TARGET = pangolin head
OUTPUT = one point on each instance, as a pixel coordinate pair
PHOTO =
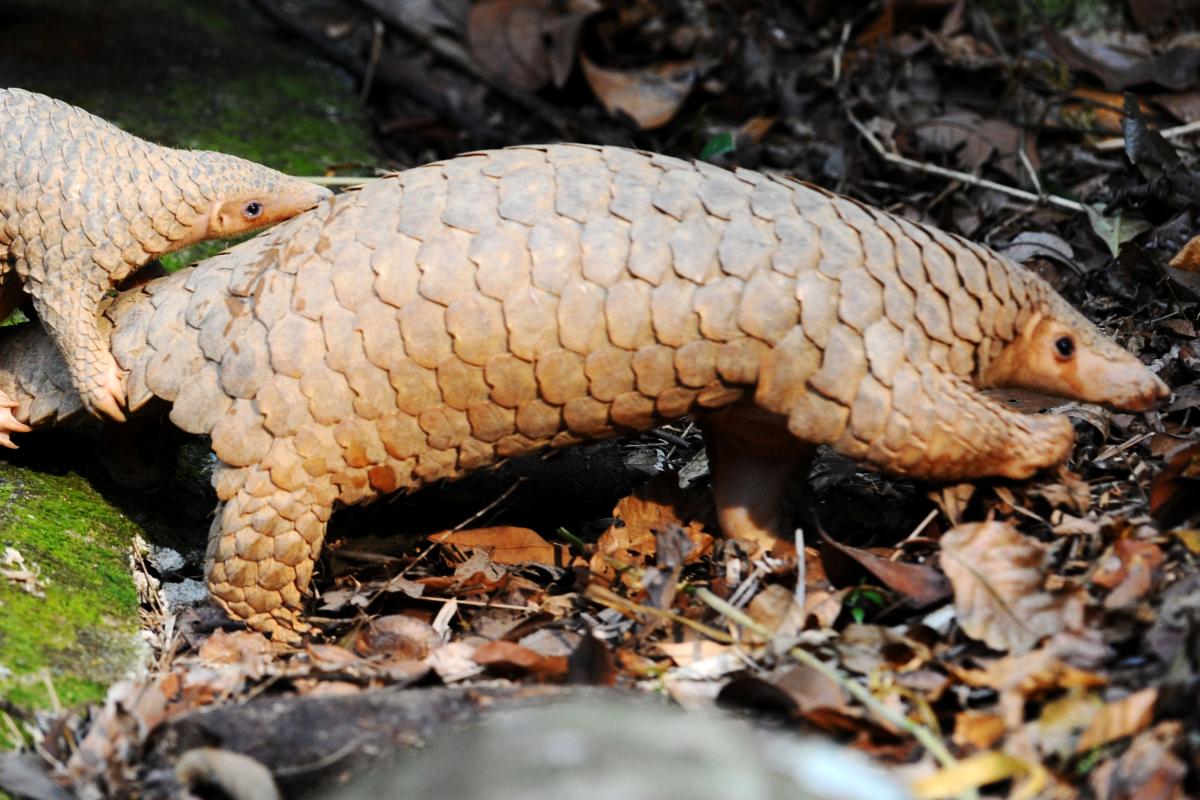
(1059, 351)
(245, 196)
(221, 196)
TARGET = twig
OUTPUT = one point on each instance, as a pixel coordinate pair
(1118, 142)
(922, 734)
(368, 80)
(607, 597)
(965, 177)
(452, 52)
(442, 536)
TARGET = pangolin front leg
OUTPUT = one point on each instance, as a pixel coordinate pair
(937, 426)
(10, 298)
(262, 547)
(67, 308)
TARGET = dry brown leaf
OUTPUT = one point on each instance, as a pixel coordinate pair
(921, 584)
(244, 648)
(507, 545)
(511, 659)
(1188, 258)
(998, 575)
(397, 637)
(1125, 717)
(978, 730)
(653, 507)
(650, 97)
(527, 43)
(775, 609)
(1148, 770)
(865, 649)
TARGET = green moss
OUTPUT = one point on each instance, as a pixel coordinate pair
(83, 633)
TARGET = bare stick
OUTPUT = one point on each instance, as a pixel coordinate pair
(1118, 142)
(953, 174)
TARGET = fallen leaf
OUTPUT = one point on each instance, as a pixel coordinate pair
(507, 545)
(244, 648)
(1189, 257)
(527, 43)
(978, 730)
(922, 585)
(775, 609)
(1118, 720)
(1128, 61)
(1173, 493)
(1116, 229)
(397, 637)
(651, 97)
(792, 692)
(512, 660)
(656, 506)
(1148, 770)
(973, 140)
(998, 576)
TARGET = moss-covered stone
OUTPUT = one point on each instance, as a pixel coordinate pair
(83, 632)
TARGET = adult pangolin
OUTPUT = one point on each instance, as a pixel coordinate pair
(84, 204)
(459, 313)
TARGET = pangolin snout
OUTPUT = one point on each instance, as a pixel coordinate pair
(1145, 394)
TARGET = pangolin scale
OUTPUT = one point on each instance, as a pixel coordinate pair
(84, 204)
(459, 313)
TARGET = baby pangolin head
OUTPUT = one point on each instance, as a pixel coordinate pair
(251, 196)
(1059, 351)
(228, 196)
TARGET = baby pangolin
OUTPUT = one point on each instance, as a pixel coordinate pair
(84, 204)
(460, 313)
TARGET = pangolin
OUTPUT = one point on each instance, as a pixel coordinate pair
(84, 204)
(459, 313)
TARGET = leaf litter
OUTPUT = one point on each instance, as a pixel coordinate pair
(1008, 639)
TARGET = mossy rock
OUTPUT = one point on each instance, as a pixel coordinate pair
(83, 633)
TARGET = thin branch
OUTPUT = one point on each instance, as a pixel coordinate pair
(1118, 142)
(922, 734)
(953, 174)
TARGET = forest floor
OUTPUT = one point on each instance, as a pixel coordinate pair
(1025, 639)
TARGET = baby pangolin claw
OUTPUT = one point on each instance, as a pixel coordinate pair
(9, 423)
(106, 393)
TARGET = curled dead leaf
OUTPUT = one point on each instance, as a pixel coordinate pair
(527, 43)
(511, 659)
(397, 637)
(998, 575)
(1118, 720)
(507, 545)
(651, 97)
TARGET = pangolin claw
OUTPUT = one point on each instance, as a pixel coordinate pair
(9, 423)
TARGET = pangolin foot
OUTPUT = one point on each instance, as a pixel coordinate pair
(106, 393)
(9, 423)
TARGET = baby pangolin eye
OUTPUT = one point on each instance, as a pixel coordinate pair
(1065, 346)
(253, 209)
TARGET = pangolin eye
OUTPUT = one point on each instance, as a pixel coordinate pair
(1065, 346)
(253, 209)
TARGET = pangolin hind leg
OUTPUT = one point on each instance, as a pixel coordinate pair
(752, 457)
(69, 310)
(262, 547)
